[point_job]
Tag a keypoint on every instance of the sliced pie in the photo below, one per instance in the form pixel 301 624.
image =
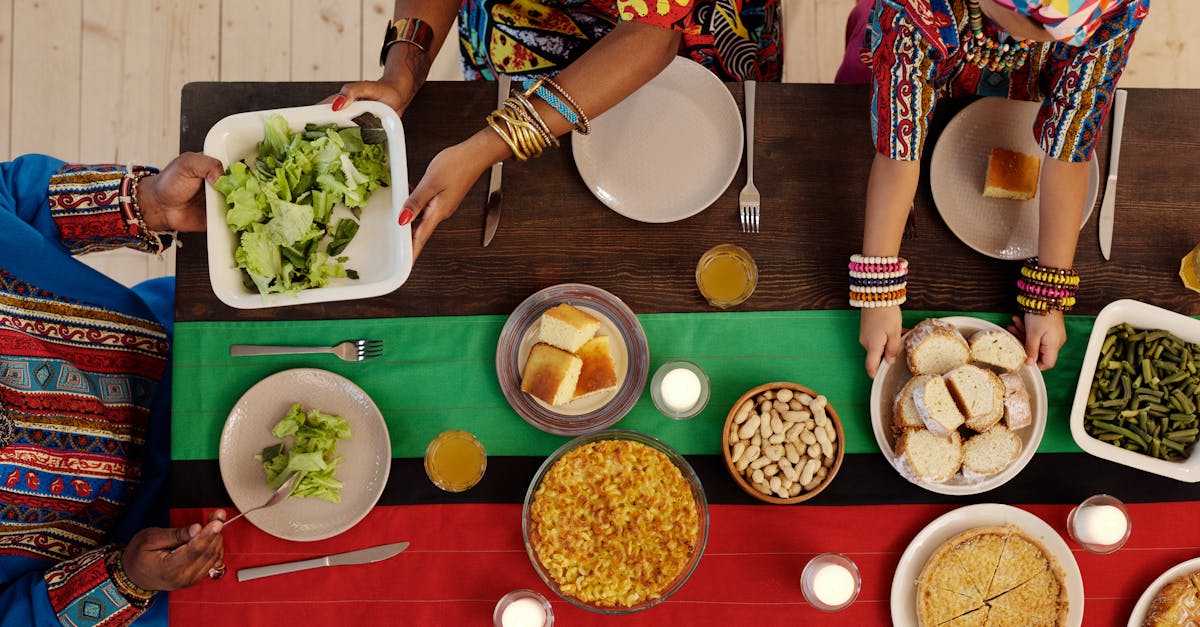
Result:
pixel 1023 559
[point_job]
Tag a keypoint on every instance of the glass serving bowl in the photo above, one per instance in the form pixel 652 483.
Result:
pixel 689 475
pixel 631 357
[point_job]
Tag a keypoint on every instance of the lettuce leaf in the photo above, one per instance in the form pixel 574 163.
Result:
pixel 313 454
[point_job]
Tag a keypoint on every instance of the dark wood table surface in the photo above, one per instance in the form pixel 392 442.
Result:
pixel 813 156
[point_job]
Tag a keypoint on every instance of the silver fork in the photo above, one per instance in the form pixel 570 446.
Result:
pixel 350 350
pixel 748 200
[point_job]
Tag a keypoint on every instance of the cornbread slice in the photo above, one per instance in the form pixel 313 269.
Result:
pixel 989 453
pixel 567 327
pixel 1018 409
pixel 1012 175
pixel 1178 603
pixel 1021 561
pixel 1041 600
pixel 979 394
pixel 997 348
pixel 935 346
pixel 936 407
pixel 904 410
pixel 930 457
pixel 597 375
pixel 551 374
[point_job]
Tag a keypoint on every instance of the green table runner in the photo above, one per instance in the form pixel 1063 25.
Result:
pixel 439 373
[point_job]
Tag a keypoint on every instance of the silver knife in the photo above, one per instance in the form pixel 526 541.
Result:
pixel 362 556
pixel 1110 188
pixel 491 216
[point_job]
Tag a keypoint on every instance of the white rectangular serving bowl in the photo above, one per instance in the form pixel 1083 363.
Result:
pixel 1140 316
pixel 381 252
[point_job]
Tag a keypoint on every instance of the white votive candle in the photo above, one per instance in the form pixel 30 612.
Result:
pixel 680 389
pixel 524 612
pixel 833 584
pixel 1101 525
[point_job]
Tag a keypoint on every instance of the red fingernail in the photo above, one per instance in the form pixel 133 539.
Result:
pixel 338 103
pixel 406 216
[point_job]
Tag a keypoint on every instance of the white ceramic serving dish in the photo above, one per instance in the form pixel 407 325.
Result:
pixel 381 252
pixel 1138 617
pixel 891 379
pixel 1139 315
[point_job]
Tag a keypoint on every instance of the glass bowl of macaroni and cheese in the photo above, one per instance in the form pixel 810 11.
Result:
pixel 615 522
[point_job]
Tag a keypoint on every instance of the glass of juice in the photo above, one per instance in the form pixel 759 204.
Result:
pixel 455 461
pixel 726 275
pixel 1189 269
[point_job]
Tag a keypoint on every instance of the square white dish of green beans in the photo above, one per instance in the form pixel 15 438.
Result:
pixel 1137 398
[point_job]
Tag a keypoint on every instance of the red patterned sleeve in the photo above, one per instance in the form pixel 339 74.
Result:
pixel 82 592
pixel 92 206
pixel 902 96
pixel 675 14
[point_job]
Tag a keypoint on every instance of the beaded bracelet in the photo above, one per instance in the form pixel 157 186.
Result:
pixel 131 211
pixel 536 88
pixel 1042 289
pixel 878 281
pixel 582 125
pixel 135 594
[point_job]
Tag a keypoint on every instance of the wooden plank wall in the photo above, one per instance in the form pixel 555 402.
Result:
pixel 99 80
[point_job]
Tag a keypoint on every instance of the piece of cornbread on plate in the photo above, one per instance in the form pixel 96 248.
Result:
pixel 551 374
pixel 1012 175
pixel 567 327
pixel 598 374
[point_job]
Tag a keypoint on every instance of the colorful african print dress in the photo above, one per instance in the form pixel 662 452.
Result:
pixel 83 362
pixel 736 39
pixel 917 55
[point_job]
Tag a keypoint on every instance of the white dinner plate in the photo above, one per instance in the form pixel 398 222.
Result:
pixel 946 526
pixel 366 456
pixel 1143 604
pixel 381 251
pixel 996 227
pixel 891 379
pixel 667 151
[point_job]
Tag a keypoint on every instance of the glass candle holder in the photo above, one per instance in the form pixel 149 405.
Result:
pixel 679 389
pixel 523 608
pixel 455 461
pixel 1100 524
pixel 830 582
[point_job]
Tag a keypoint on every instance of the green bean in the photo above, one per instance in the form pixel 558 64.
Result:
pixel 1176 446
pixel 1184 435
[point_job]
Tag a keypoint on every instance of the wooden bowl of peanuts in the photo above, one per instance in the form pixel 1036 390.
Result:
pixel 782 442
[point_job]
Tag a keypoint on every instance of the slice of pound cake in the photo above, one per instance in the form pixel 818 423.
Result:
pixel 930 457
pixel 997 348
pixel 551 374
pixel 989 453
pixel 567 327
pixel 936 406
pixel 935 347
pixel 979 394
pixel 904 411
pixel 1018 410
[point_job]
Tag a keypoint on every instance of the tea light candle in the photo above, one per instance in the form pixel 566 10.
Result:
pixel 1101 525
pixel 524 612
pixel 833 584
pixel 680 389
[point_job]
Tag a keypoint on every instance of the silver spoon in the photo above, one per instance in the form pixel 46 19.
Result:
pixel 280 494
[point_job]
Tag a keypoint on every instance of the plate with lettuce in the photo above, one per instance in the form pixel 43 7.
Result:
pixel 308 208
pixel 315 423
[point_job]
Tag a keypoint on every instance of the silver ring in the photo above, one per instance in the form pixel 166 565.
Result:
pixel 216 573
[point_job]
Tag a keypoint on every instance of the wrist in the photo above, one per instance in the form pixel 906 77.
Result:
pixel 136 592
pixel 145 202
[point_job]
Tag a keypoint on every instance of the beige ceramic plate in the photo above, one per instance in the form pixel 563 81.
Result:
pixel 367 456
pixel 996 227
pixel 891 379
pixel 666 152
pixel 950 524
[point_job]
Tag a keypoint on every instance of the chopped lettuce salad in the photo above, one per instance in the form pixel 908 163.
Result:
pixel 313 453
pixel 280 207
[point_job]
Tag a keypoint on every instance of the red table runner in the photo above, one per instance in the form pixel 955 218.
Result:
pixel 463 558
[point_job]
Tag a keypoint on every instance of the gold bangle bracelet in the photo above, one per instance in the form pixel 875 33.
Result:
pixel 524 139
pixel 530 114
pixel 517 152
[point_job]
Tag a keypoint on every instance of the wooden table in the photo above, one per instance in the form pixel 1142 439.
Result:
pixel 813 154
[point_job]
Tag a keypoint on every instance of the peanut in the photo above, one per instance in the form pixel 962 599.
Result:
pixel 756 440
pixel 773 452
pixel 780 406
pixel 770 470
pixel 760 462
pixel 743 412
pixel 776 425
pixel 784 395
pixel 778 438
pixel 738 449
pixel 812 484
pixel 795 490
pixel 793 433
pixel 769 395
pixel 808 473
pixel 759 476
pixel 764 426
pixel 776 484
pixel 795 404
pixel 764 407
pixel 733 434
pixel 805 398
pixel 814 451
pixel 750 426
pixel 830 431
pixel 808 438
pixel 751 453
pixel 793 455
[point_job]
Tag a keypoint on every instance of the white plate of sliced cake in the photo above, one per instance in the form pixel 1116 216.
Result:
pixel 959 412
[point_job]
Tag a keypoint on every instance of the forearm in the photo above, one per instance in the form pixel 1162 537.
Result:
pixel 890 192
pixel 1063 192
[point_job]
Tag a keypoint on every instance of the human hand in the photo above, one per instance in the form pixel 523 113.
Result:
pixel 879 333
pixel 395 94
pixel 1043 335
pixel 170 559
pixel 173 200
pixel 436 197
